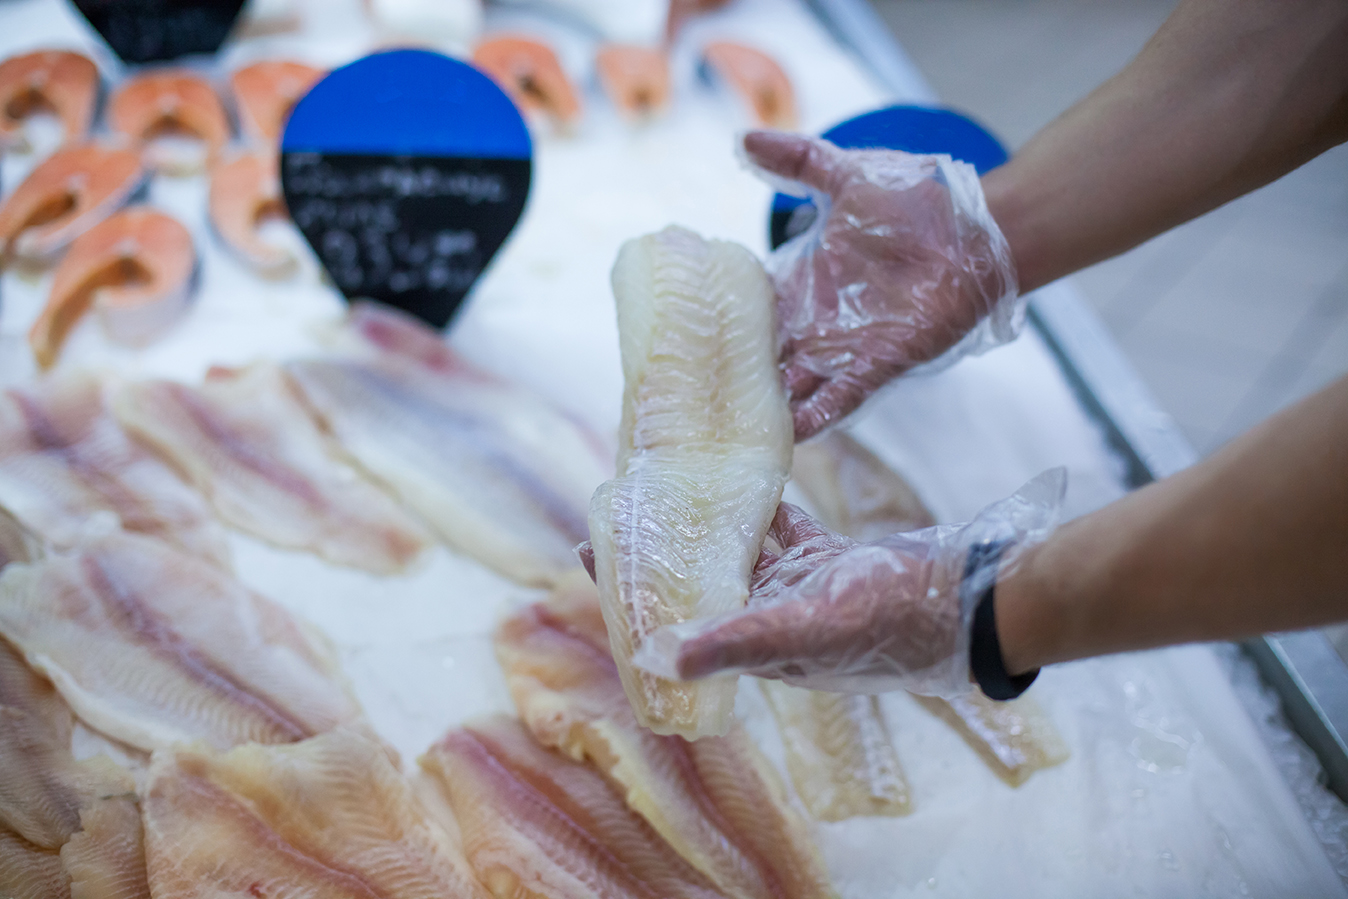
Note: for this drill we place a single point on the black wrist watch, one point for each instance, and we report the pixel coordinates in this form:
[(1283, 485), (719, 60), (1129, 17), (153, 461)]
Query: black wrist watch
[(985, 650)]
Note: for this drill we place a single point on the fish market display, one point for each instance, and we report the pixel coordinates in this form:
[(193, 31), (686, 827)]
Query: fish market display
[(493, 469), (529, 72), (245, 441), (168, 102), (266, 92), (246, 190), (64, 82), (716, 800), (759, 81), (134, 269), (64, 461), (854, 492), (329, 817), (838, 753), (535, 823), (153, 647), (635, 78), (704, 449), (67, 193)]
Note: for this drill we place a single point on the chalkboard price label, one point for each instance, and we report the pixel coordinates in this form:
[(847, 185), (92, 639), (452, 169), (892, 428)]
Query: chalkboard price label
[(154, 30), (406, 171)]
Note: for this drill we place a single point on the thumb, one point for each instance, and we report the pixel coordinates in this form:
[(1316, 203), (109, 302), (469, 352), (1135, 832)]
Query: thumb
[(807, 160)]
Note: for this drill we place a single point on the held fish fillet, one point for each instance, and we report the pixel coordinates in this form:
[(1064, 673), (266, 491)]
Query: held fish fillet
[(106, 858), (838, 753), (64, 460), (244, 440), (537, 825), (496, 472), (716, 800), (153, 647), (704, 451), (854, 492), (329, 817)]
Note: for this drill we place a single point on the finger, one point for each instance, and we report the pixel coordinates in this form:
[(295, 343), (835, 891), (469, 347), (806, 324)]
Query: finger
[(792, 526), (755, 640), (793, 156), (829, 404), (586, 553)]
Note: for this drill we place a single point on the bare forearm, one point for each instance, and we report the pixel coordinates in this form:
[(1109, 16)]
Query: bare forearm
[(1251, 540), (1227, 96)]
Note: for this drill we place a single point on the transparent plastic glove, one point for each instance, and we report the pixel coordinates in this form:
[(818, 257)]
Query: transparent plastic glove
[(903, 265), (831, 614)]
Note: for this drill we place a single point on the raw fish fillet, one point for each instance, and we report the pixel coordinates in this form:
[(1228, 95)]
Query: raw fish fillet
[(1015, 738), (27, 872), (329, 817), (497, 473), (153, 647), (64, 460), (244, 440), (17, 543), (838, 753), (854, 492), (106, 858), (537, 825), (716, 800), (704, 449)]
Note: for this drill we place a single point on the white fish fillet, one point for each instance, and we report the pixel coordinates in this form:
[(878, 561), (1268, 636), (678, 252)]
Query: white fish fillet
[(1014, 738), (703, 453), (153, 647), (329, 817), (106, 858), (64, 460), (244, 440), (838, 753), (497, 473)]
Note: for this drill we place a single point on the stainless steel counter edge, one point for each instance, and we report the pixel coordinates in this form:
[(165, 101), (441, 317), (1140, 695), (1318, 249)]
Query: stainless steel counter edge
[(1304, 668)]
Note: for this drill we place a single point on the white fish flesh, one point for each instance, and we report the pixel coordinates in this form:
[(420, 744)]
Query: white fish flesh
[(327, 818), (106, 858), (153, 647), (704, 451), (1014, 738), (538, 825), (497, 473), (64, 460), (244, 440)]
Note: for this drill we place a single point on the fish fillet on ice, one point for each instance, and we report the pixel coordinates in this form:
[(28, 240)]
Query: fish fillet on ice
[(538, 825), (153, 647), (329, 817), (716, 800), (106, 858), (853, 491), (497, 473), (65, 460), (704, 449), (244, 440)]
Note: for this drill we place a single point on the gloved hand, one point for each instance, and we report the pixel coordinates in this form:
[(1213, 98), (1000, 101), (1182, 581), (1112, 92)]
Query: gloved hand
[(831, 614), (902, 265)]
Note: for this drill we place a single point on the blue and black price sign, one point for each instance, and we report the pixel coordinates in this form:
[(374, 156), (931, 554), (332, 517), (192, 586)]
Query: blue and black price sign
[(406, 171), (156, 30)]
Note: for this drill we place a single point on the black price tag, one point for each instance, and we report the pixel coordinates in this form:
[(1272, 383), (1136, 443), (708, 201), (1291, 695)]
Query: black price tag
[(154, 30), (406, 171), (913, 129)]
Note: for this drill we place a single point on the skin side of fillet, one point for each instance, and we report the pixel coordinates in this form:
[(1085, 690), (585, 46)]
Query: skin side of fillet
[(716, 800), (153, 647), (246, 442), (854, 492), (330, 817), (64, 460), (704, 450), (538, 825)]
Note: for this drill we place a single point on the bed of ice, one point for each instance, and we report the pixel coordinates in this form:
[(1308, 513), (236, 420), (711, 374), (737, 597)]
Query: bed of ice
[(1170, 790)]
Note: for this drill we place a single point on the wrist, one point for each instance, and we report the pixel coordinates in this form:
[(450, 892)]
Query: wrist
[(1027, 631), (1004, 199)]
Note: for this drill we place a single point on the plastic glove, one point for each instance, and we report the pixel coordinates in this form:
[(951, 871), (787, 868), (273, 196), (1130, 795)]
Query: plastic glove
[(902, 265), (831, 614)]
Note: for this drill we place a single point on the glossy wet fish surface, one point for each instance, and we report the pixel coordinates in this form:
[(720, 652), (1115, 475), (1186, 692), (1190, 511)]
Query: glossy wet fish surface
[(329, 817), (704, 451), (538, 824), (498, 474), (716, 800), (246, 442), (65, 462), (152, 647)]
